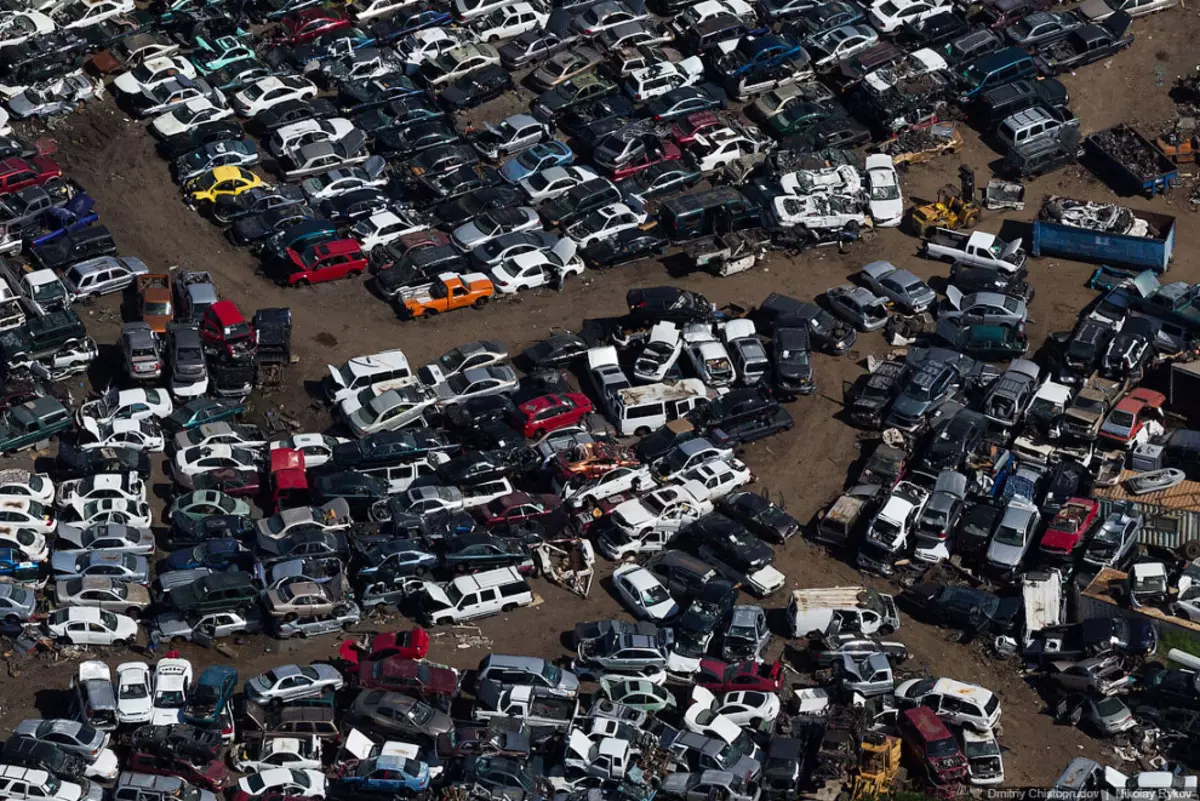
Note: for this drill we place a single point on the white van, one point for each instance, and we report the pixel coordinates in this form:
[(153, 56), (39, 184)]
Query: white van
[(640, 410), (858, 609), (400, 477), (26, 784), (386, 370), (478, 595)]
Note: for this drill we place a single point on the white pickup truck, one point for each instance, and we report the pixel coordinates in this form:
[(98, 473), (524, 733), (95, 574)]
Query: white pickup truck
[(976, 249), (41, 291)]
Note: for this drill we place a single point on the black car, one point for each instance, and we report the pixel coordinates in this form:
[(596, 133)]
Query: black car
[(952, 440), (460, 181), (540, 43), (662, 178), (238, 75), (975, 529), (306, 543), (359, 490), (826, 331), (482, 551), (388, 447), (477, 411), (354, 205), (655, 303), (477, 87), (935, 30), (291, 111), (186, 532), (574, 121), (832, 132), (709, 610), (475, 466), (228, 208), (76, 462), (375, 92), (466, 208), (1174, 688), (398, 113), (76, 246), (685, 100), (730, 544), (659, 443), (989, 279), (404, 143), (578, 201), (557, 350), (962, 607), (1066, 480), (756, 427), (758, 514), (418, 266), (201, 135), (737, 404), (27, 752), (629, 245), (259, 227), (792, 358)]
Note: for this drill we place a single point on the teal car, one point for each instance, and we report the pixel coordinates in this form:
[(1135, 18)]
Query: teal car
[(209, 696), (199, 411), (206, 503), (32, 422), (215, 54), (640, 694)]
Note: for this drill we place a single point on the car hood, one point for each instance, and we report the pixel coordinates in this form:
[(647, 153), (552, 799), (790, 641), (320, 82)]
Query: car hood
[(1005, 555)]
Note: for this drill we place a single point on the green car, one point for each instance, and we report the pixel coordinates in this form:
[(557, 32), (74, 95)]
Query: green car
[(199, 411), (795, 117), (570, 93), (206, 503), (640, 694), (212, 55), (32, 422)]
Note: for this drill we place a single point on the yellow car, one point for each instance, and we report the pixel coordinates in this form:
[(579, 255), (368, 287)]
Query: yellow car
[(222, 181)]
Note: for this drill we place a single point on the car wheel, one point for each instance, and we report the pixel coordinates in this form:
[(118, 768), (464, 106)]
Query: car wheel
[(12, 619), (350, 276), (302, 282), (290, 617), (641, 432), (885, 630), (120, 643), (133, 612), (479, 304), (756, 723), (508, 608), (442, 621)]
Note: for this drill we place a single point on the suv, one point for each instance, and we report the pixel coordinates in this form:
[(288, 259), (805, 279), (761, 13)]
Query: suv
[(1032, 124), (294, 721), (931, 744), (26, 784), (681, 573), (215, 593), (30, 753), (1011, 393), (477, 595), (996, 104), (145, 787), (511, 671)]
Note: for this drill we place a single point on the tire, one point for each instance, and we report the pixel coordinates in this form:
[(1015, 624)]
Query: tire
[(1191, 550), (756, 724), (121, 643), (442, 621), (302, 282), (12, 619), (350, 276), (420, 571), (133, 612), (479, 304), (508, 608), (641, 432), (885, 630), (431, 313), (289, 617)]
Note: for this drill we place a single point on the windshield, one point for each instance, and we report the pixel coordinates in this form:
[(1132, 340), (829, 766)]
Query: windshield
[(552, 673), (654, 504), (884, 191), (1007, 535), (885, 530), (48, 291), (157, 308), (656, 595), (939, 749), (1121, 419)]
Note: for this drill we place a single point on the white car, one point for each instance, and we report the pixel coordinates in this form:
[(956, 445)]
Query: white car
[(26, 513), (455, 64), (172, 683), (266, 93), (834, 46), (725, 146), (107, 537), (189, 115), (819, 212), (115, 511), (385, 227), (385, 411), (607, 221), (344, 180), (659, 353), (87, 625), (206, 458), (578, 494), (277, 752), (102, 486), (658, 79), (719, 477), (428, 44), (370, 9), (133, 693), (18, 483), (744, 708), (888, 16), (554, 182), (537, 268), (643, 594), (86, 13), (885, 203), (151, 73), (155, 100), (284, 781), (140, 435), (124, 404), (668, 508), (292, 682), (956, 702), (509, 22), (238, 435), (317, 448), (17, 26), (32, 544)]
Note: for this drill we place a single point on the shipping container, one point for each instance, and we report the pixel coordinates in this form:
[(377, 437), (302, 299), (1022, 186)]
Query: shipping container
[(1152, 251), (1100, 600), (1135, 149), (1171, 517)]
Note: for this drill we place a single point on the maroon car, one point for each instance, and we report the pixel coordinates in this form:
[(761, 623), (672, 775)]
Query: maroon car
[(430, 681), (211, 776), (520, 506)]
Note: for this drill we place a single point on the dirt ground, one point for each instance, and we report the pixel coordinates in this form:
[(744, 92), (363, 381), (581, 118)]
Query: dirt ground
[(113, 157)]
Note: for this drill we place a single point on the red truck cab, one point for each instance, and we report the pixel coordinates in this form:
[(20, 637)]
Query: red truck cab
[(411, 644), (289, 480), (301, 27), (1069, 527), (326, 261), (224, 329), (17, 173), (932, 745), (539, 416)]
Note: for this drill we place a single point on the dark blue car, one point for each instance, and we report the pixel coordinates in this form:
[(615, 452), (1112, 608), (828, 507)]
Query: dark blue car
[(222, 554), (210, 694)]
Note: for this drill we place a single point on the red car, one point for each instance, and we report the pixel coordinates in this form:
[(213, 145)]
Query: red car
[(399, 674), (1129, 417), (301, 27), (516, 507), (667, 151), (326, 261), (747, 675), (224, 329), (686, 129), (212, 776), (411, 644), (537, 417), (1069, 527), (17, 173)]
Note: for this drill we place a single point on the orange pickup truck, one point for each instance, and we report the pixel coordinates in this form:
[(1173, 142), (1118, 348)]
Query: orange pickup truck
[(157, 302), (449, 292)]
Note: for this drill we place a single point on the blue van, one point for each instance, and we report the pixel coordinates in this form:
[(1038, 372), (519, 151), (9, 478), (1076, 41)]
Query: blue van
[(995, 69)]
